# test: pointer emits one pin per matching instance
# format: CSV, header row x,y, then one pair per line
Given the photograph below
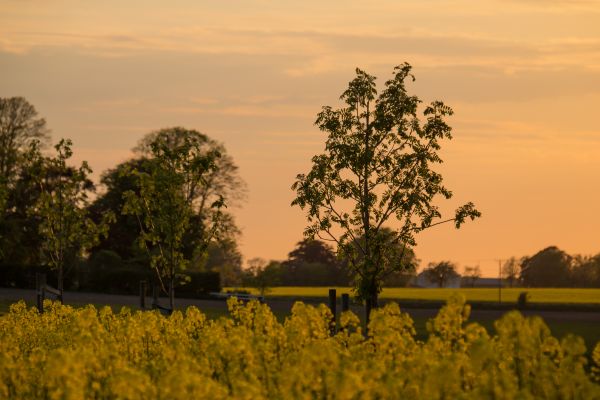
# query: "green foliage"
x,y
313,263
262,275
85,353
164,201
222,256
61,207
19,127
377,168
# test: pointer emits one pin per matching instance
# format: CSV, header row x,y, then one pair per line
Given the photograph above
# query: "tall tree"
x,y
471,274
262,275
3,202
165,202
550,267
65,226
19,126
313,263
377,168
586,271
441,273
223,181
222,256
510,271
397,261
122,235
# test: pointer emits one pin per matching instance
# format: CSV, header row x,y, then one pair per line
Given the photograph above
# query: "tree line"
x,y
314,263
161,215
167,211
53,216
553,267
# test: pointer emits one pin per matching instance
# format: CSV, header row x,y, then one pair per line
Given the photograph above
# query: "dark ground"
x,y
582,323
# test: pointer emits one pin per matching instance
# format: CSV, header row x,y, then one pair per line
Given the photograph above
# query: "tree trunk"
x,y
172,293
60,283
370,303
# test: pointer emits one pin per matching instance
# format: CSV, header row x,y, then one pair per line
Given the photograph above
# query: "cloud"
x,y
323,51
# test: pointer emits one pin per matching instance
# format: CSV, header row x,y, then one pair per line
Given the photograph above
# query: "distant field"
x,y
547,295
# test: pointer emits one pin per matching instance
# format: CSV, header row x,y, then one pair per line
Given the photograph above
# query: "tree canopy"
x,y
313,263
209,241
377,169
64,224
441,273
19,126
550,267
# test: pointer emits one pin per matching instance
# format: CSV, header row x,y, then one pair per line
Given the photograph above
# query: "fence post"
x,y
332,307
143,295
154,295
40,283
345,301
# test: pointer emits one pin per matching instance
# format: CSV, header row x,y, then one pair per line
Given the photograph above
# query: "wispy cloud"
x,y
325,51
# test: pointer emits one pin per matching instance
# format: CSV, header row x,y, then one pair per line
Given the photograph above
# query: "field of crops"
x,y
84,353
545,295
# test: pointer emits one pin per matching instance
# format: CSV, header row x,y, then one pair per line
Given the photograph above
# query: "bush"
x,y
200,284
523,300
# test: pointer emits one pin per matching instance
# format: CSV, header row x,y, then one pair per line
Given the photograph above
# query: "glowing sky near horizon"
x,y
523,78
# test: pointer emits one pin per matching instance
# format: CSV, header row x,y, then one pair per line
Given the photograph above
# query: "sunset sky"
x,y
523,78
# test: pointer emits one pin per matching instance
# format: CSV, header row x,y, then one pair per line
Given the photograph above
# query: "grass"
x,y
509,295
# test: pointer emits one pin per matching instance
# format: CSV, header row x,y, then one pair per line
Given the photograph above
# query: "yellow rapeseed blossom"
x,y
84,353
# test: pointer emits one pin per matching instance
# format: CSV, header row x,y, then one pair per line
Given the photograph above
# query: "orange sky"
x,y
522,76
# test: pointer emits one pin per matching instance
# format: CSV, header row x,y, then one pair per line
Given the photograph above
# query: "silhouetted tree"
x,y
222,256
397,260
510,271
262,275
586,271
19,126
550,267
20,240
165,203
221,252
122,235
313,263
222,182
471,275
378,161
65,226
441,273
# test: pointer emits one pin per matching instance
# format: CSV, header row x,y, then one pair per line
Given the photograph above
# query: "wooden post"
x,y
143,286
60,283
40,283
332,307
172,294
154,295
345,302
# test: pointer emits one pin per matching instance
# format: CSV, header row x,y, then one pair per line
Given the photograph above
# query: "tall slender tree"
x,y
377,168
61,208
164,204
19,126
